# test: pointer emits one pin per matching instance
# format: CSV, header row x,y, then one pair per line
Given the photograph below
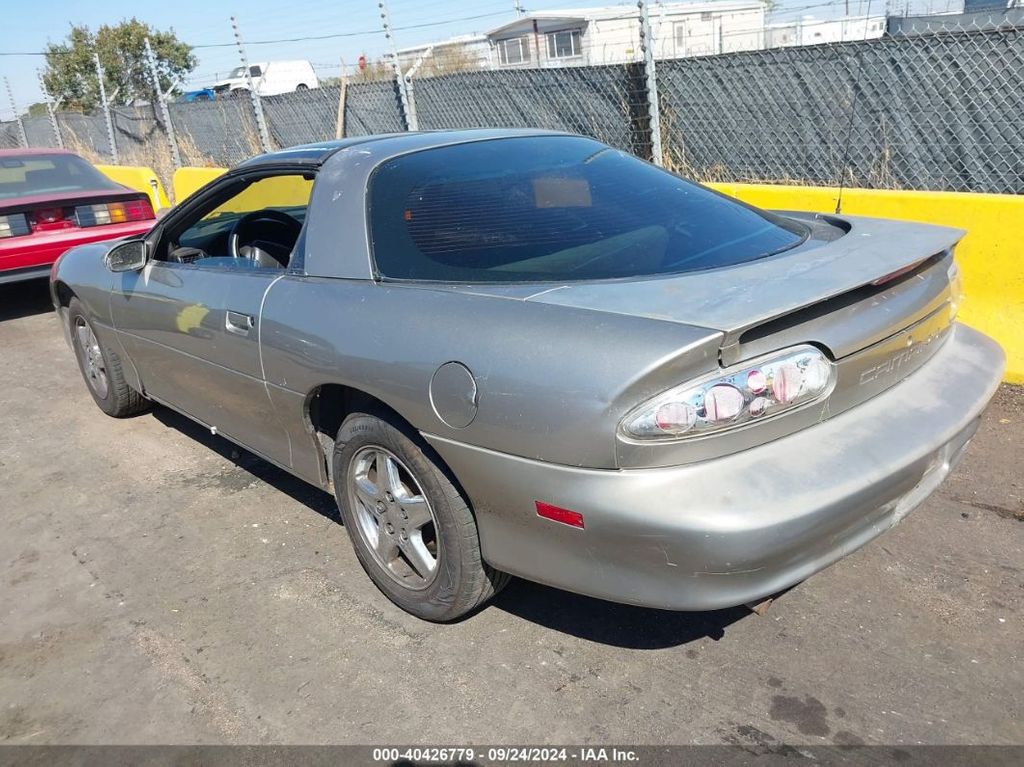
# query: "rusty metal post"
x,y
651,80
168,125
106,109
14,108
254,97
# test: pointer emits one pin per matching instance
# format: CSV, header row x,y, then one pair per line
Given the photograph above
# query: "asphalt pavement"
x,y
158,585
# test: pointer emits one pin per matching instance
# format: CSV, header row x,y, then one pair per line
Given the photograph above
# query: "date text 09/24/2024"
x,y
504,754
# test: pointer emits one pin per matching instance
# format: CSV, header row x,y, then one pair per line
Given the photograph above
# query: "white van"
x,y
270,78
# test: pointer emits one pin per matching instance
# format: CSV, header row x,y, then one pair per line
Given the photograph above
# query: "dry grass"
x,y
673,140
192,156
155,153
675,160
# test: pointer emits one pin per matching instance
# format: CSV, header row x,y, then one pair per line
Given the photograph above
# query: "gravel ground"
x,y
158,585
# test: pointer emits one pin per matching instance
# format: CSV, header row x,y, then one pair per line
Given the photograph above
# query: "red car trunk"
x,y
51,201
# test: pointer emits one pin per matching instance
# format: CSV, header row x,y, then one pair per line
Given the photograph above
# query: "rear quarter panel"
x,y
552,382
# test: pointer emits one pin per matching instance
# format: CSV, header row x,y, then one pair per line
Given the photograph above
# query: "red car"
x,y
52,200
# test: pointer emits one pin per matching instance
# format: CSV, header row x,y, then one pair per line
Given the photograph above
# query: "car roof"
x,y
317,154
36,151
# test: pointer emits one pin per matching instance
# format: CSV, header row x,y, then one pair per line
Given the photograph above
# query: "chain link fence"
x,y
940,110
607,102
222,132
934,104
373,107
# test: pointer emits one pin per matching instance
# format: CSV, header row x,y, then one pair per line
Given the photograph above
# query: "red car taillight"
x,y
48,219
114,212
757,390
14,225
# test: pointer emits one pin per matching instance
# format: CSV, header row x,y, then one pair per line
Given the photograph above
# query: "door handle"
x,y
236,322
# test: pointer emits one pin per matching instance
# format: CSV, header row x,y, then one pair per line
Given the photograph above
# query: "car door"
x,y
190,319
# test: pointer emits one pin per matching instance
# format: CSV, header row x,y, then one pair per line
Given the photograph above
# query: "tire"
x,y
101,368
381,467
302,87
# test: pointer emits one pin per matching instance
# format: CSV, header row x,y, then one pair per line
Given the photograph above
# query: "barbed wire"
x,y
628,13
930,106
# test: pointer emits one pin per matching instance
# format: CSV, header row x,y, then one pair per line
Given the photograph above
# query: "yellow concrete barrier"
x,y
188,180
277,191
138,178
991,256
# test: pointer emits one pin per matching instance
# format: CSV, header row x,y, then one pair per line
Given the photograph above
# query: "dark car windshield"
x,y
26,175
556,208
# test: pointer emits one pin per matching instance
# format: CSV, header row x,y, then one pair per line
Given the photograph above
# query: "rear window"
x,y
554,209
27,175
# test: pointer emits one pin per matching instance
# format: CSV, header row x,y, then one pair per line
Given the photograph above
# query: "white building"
x,y
812,31
611,35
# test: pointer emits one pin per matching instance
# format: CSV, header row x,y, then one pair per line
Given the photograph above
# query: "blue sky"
x,y
206,22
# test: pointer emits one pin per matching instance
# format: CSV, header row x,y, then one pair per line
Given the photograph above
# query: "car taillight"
x,y
114,212
14,225
755,391
49,219
48,215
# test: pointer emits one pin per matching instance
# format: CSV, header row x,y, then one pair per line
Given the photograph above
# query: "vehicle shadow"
x,y
311,497
626,626
595,620
24,299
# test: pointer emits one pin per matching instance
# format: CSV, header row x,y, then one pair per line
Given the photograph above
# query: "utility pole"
x,y
651,81
520,12
57,138
168,125
14,108
408,111
254,97
339,123
106,109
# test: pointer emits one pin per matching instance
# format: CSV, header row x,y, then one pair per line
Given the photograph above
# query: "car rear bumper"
x,y
735,529
31,254
25,273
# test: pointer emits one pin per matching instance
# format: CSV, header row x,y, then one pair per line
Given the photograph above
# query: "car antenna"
x,y
853,113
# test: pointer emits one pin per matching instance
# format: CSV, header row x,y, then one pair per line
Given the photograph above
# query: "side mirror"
x,y
129,256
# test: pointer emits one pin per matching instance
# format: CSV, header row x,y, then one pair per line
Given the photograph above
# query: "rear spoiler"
x,y
737,298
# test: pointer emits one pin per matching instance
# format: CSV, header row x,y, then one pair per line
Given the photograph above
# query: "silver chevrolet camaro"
x,y
527,353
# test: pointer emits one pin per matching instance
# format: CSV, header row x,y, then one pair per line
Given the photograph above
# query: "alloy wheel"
x,y
393,516
92,358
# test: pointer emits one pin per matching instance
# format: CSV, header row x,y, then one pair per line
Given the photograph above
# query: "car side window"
x,y
252,225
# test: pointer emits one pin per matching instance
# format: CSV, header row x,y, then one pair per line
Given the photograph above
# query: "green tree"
x,y
71,71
